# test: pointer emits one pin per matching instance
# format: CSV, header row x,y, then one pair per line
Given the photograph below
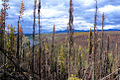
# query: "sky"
x,y
56,12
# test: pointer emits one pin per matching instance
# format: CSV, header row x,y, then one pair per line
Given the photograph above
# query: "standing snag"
x,y
94,43
102,47
40,54
21,12
33,47
70,35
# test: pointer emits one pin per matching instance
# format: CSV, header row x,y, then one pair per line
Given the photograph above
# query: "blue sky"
x,y
56,12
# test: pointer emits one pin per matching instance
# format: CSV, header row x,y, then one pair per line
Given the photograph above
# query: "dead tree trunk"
x,y
70,34
39,7
33,48
53,54
18,43
101,51
94,43
90,47
5,7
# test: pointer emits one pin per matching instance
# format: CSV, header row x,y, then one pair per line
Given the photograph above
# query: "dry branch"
x,y
104,78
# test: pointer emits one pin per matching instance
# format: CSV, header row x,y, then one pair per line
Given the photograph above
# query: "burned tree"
x,y
101,47
40,54
52,55
4,17
90,47
33,47
70,34
18,38
94,43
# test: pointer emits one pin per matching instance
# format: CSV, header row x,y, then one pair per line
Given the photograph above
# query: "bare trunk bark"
x,y
39,7
18,43
70,34
101,52
94,43
33,48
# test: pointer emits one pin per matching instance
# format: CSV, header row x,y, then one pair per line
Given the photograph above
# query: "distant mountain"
x,y
66,31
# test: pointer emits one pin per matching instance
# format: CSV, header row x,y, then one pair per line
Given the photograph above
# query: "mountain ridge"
x,y
66,31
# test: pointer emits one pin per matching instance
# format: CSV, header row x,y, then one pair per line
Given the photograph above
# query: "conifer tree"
x,y
11,39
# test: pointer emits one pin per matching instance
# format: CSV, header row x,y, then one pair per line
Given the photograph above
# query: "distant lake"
x,y
31,39
31,42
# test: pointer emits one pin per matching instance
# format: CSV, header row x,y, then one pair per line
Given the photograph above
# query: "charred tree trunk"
x,y
5,7
4,40
33,48
102,47
18,43
94,43
70,34
90,47
39,7
53,53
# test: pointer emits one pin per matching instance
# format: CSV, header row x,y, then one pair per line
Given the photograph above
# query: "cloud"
x,y
85,3
56,12
51,13
112,26
109,8
106,9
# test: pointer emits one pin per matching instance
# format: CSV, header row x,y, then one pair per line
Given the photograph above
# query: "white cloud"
x,y
106,9
51,12
28,14
109,8
86,2
81,24
60,23
112,26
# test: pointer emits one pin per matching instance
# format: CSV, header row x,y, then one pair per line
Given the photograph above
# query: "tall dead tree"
x,y
53,53
18,35
53,40
21,42
1,36
94,43
70,34
5,14
18,42
90,47
1,27
101,47
33,47
39,7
